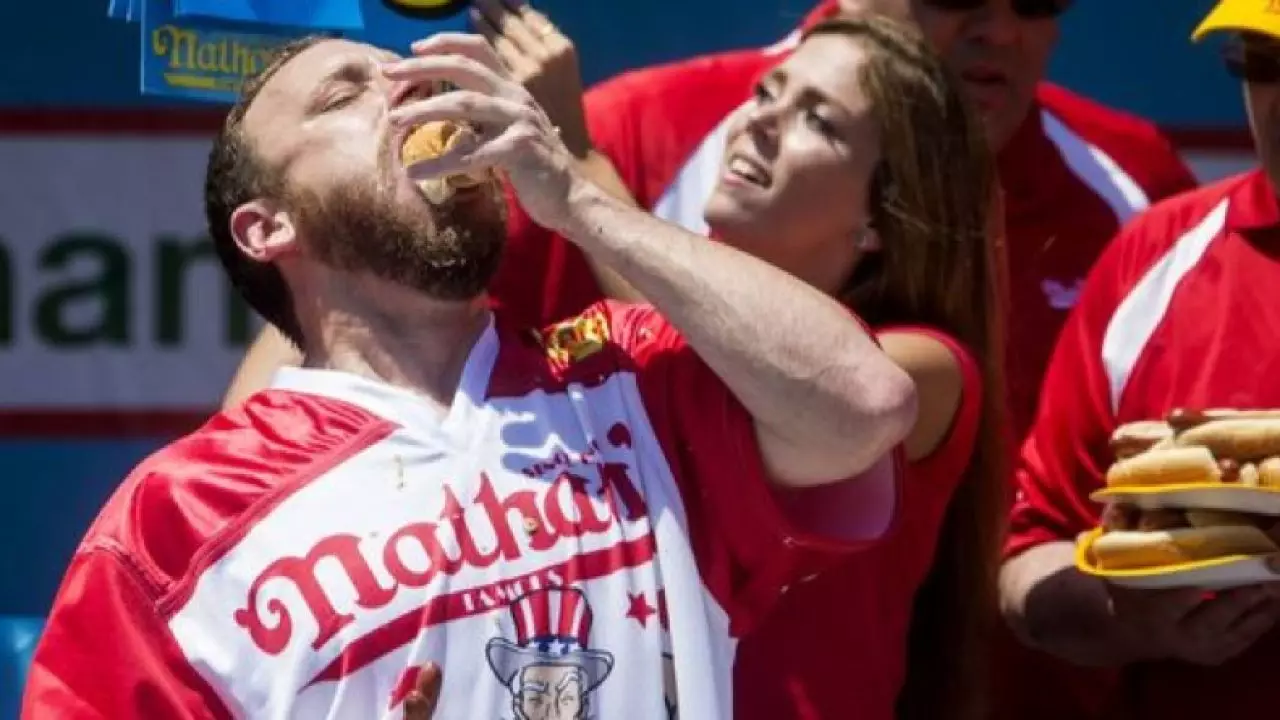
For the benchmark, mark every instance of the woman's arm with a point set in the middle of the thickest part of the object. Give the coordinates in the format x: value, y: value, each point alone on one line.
x: 939, y: 385
x: 597, y: 168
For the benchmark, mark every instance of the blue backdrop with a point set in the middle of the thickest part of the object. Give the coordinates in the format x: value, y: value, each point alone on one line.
x: 1132, y: 54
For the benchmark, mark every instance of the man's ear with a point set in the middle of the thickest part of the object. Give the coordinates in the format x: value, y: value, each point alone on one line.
x: 868, y: 240
x: 262, y: 231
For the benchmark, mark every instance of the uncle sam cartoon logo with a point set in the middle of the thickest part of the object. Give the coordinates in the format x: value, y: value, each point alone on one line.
x: 549, y: 669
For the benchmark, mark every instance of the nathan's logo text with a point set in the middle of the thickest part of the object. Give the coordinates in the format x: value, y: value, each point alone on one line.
x: 478, y: 536
x: 203, y: 60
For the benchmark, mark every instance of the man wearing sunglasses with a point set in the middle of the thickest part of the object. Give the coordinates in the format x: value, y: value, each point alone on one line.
x: 1180, y: 311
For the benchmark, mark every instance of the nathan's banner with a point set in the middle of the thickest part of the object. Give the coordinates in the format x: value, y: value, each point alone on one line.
x: 314, y: 14
x: 204, y: 49
x: 111, y: 295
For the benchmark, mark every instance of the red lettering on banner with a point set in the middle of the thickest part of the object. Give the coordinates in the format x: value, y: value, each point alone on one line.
x: 562, y: 509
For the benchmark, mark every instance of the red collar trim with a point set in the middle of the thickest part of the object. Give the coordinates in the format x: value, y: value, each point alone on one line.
x: 1253, y: 204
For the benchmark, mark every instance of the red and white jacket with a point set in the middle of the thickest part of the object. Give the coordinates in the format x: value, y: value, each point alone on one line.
x: 588, y: 524
x: 1179, y: 312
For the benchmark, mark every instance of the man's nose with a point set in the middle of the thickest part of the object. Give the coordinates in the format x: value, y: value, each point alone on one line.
x: 995, y: 23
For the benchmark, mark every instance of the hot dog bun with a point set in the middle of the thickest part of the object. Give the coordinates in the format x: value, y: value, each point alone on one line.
x: 1138, y: 437
x: 1171, y: 466
x: 1237, y: 438
x: 1269, y: 473
x: 430, y: 141
x: 1184, y: 418
x: 1131, y: 549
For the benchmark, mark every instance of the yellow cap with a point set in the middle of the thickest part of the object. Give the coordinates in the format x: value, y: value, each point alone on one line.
x: 1260, y: 16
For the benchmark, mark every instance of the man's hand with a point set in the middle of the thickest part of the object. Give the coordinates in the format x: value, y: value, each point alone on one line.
x: 1085, y: 620
x: 542, y: 59
x: 513, y: 133
x: 421, y: 702
x: 1193, y: 626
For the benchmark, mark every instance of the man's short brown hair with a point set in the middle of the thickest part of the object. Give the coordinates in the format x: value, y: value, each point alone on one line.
x: 237, y: 175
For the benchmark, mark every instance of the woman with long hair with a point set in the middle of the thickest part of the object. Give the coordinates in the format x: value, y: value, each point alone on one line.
x: 859, y: 168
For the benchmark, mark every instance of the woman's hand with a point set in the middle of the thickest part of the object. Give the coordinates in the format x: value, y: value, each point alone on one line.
x: 542, y: 59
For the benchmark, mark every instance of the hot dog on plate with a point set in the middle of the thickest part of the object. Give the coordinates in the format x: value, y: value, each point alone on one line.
x: 1236, y: 447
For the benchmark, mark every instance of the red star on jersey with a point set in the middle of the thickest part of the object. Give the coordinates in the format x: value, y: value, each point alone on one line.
x: 640, y: 609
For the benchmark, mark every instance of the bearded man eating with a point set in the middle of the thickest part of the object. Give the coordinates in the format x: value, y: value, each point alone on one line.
x: 579, y: 520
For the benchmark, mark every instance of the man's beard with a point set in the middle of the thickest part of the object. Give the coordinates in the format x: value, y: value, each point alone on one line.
x: 448, y: 252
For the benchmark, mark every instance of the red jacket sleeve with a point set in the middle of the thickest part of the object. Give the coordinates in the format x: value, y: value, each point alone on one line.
x: 1169, y: 175
x: 751, y: 539
x: 649, y: 122
x: 611, y: 122
x: 106, y: 654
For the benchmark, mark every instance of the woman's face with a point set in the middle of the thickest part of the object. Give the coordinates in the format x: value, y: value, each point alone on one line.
x: 793, y: 188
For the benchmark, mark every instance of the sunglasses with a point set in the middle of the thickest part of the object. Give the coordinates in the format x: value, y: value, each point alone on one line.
x: 1251, y: 64
x: 1025, y: 9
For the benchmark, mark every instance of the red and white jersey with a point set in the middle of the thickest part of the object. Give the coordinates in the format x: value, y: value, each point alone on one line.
x: 587, y: 525
x: 1179, y: 312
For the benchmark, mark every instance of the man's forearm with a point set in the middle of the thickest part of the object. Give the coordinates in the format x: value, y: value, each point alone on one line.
x: 792, y: 355
x: 600, y: 170
x: 1054, y: 607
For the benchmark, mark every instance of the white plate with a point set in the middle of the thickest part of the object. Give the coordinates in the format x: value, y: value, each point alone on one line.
x: 1202, y: 496
x: 1216, y: 574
